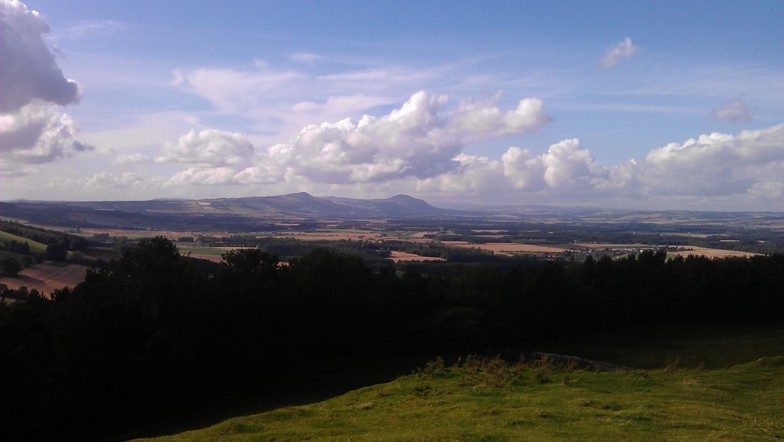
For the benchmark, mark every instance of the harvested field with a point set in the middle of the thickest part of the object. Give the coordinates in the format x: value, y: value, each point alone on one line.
x: 405, y: 256
x: 711, y: 253
x: 683, y: 250
x: 47, y: 277
x: 332, y: 235
x: 506, y: 248
x: 170, y: 234
x: 616, y: 246
x: 209, y: 253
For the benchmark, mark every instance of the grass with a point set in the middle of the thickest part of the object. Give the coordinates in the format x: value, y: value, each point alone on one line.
x: 491, y: 400
x: 35, y: 247
x: 488, y: 399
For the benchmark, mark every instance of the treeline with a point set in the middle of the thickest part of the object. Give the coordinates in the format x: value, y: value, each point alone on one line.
x: 151, y: 332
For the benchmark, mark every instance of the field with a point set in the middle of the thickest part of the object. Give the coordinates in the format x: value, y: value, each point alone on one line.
x: 35, y: 247
x: 403, y: 256
x: 47, y: 277
x: 508, y: 248
x: 712, y: 253
x: 209, y: 253
x: 487, y: 399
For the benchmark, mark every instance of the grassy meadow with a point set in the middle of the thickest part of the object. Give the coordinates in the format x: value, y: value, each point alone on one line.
x: 35, y: 247
x: 738, y: 398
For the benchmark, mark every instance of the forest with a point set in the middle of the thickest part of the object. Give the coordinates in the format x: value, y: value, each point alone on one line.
x: 152, y: 332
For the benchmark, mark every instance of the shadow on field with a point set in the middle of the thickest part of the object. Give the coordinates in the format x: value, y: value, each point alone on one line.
x: 338, y: 378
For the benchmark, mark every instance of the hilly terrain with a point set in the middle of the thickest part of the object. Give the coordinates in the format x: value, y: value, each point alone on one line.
x: 222, y: 213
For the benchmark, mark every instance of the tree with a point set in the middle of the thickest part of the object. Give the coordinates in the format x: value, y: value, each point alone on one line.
x: 56, y: 252
x: 10, y: 267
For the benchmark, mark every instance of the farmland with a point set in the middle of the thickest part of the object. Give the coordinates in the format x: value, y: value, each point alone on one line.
x: 47, y: 277
x: 303, y: 299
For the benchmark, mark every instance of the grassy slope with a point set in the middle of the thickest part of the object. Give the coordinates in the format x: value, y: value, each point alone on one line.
x: 35, y: 247
x: 737, y: 402
x: 742, y: 402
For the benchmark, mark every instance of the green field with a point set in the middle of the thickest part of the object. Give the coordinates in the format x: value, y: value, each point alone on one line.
x: 487, y: 399
x: 35, y: 247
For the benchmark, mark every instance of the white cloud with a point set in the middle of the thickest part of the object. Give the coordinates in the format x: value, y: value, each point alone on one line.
x: 100, y: 28
x: 135, y: 158
x: 568, y: 166
x: 623, y: 50
x: 38, y: 133
x: 524, y: 171
x: 204, y: 176
x: 28, y: 70
x: 711, y: 169
x: 733, y: 110
x: 488, y: 120
x: 716, y: 164
x: 103, y: 180
x: 209, y: 147
x: 305, y: 57
x: 239, y: 92
x: 419, y: 139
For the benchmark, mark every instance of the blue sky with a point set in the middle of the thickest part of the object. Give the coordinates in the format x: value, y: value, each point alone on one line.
x: 661, y: 105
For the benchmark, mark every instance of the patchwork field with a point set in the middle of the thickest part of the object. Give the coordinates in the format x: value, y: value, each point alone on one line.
x: 47, y: 277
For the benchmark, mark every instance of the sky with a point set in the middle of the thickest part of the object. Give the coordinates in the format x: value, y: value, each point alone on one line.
x: 642, y: 105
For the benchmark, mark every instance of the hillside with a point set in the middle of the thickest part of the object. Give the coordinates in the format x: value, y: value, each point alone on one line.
x: 488, y: 399
x: 220, y: 214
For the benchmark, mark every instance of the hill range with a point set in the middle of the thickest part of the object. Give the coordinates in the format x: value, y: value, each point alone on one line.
x: 254, y: 213
x: 230, y: 213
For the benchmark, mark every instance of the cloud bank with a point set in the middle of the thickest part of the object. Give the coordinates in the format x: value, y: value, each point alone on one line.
x: 420, y: 139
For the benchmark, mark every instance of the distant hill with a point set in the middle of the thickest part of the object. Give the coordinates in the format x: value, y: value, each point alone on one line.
x: 227, y: 213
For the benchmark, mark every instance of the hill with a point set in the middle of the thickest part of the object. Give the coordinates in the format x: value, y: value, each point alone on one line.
x: 489, y: 399
x: 219, y: 214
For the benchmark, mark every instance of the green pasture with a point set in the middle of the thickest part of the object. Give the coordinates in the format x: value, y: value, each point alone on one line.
x: 35, y: 247
x: 519, y: 402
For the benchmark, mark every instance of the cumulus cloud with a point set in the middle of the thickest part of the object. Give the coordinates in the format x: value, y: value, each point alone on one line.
x: 623, y: 50
x: 420, y: 146
x: 486, y: 119
x: 29, y: 71
x: 712, y: 167
x: 716, y: 164
x: 38, y: 133
x: 209, y: 147
x: 419, y: 139
x: 733, y: 110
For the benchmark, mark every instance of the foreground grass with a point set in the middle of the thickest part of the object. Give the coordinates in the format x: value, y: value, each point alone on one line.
x: 489, y: 399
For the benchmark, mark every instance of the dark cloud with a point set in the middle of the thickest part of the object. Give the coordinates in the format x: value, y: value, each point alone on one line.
x: 28, y: 71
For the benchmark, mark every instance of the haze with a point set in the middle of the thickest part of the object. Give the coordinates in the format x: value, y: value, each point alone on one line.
x: 660, y: 105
